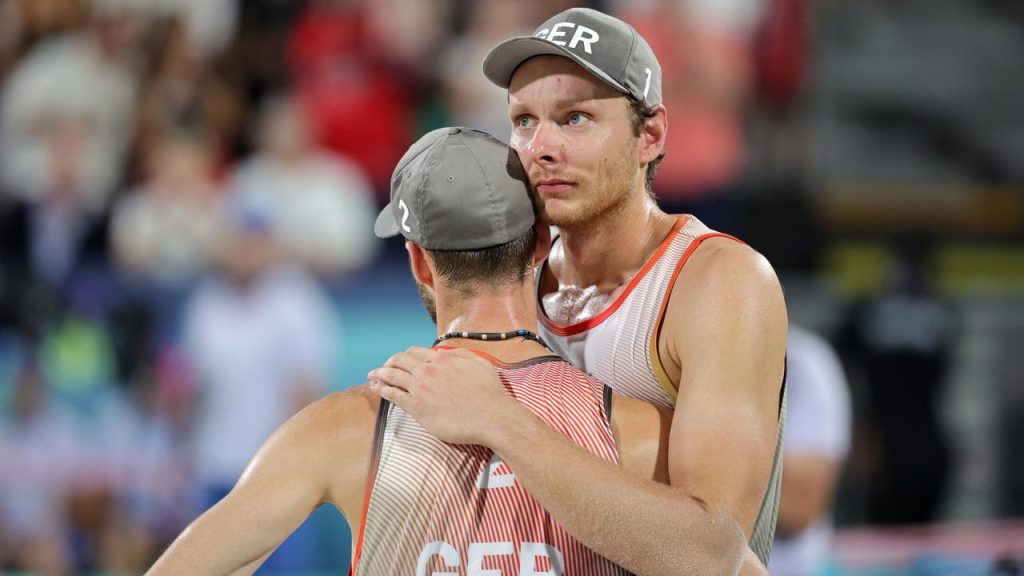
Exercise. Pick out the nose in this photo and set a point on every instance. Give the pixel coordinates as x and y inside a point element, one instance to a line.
<point>545,146</point>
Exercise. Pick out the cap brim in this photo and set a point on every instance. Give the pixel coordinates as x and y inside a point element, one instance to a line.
<point>386,226</point>
<point>501,62</point>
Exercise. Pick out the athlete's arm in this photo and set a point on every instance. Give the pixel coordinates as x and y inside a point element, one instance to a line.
<point>722,437</point>
<point>648,528</point>
<point>725,335</point>
<point>320,455</point>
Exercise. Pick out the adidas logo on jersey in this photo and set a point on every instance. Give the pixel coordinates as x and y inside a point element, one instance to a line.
<point>496,474</point>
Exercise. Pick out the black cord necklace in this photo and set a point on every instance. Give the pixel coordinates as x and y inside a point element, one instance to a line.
<point>494,336</point>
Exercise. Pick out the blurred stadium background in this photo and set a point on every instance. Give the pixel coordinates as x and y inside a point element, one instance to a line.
<point>186,196</point>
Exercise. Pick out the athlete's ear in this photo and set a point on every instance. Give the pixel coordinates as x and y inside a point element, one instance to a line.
<point>543,248</point>
<point>653,135</point>
<point>419,263</point>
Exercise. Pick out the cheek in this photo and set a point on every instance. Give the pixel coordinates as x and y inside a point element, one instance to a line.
<point>519,145</point>
<point>617,167</point>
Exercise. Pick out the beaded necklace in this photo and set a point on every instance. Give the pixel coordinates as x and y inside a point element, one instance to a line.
<point>494,336</point>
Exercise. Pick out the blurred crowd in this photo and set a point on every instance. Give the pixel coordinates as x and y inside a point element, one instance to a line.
<point>185,184</point>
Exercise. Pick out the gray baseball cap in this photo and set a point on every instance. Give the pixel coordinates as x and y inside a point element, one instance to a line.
<point>457,189</point>
<point>604,45</point>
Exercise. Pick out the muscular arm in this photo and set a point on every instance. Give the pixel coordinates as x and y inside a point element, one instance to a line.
<point>320,455</point>
<point>647,527</point>
<point>721,442</point>
<point>726,338</point>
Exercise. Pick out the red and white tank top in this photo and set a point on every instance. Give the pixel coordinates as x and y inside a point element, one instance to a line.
<point>619,346</point>
<point>438,508</point>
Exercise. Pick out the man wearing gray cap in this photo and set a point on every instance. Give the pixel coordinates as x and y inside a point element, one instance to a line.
<point>417,505</point>
<point>657,306</point>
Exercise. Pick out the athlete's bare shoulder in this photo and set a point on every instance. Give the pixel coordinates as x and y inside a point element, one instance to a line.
<point>724,282</point>
<point>721,263</point>
<point>340,429</point>
<point>351,408</point>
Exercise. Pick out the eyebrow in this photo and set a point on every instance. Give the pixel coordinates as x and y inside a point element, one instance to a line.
<point>563,103</point>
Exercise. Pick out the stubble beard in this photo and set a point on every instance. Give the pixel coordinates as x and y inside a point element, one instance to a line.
<point>428,301</point>
<point>596,207</point>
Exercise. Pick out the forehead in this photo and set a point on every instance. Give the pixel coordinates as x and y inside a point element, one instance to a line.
<point>555,76</point>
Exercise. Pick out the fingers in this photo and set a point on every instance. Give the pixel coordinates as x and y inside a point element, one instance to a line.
<point>413,359</point>
<point>416,354</point>
<point>393,377</point>
<point>392,394</point>
<point>417,365</point>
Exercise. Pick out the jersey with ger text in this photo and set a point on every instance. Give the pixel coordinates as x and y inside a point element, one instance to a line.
<point>435,508</point>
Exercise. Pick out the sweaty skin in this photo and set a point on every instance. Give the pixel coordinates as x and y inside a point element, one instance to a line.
<point>722,344</point>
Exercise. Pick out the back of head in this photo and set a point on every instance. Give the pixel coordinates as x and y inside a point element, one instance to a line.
<point>461,195</point>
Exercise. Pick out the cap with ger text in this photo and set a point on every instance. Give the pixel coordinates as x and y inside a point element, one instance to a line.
<point>457,189</point>
<point>605,46</point>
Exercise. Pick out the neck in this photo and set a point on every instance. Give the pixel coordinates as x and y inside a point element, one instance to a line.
<point>608,253</point>
<point>504,310</point>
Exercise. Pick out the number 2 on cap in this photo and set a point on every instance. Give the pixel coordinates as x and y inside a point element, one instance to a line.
<point>405,215</point>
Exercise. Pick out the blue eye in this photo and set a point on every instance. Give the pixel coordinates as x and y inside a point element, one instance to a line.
<point>575,119</point>
<point>524,122</point>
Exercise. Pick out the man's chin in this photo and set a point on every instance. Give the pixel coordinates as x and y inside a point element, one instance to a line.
<point>557,213</point>
<point>562,219</point>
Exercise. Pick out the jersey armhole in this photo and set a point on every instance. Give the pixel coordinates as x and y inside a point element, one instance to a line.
<point>383,409</point>
<point>608,403</point>
<point>785,378</point>
<point>659,367</point>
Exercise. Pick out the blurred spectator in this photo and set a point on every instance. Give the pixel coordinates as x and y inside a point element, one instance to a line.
<point>816,443</point>
<point>76,450</point>
<point>84,79</point>
<point>52,232</point>
<point>181,94</point>
<point>322,205</point>
<point>32,439</point>
<point>164,233</point>
<point>471,99</point>
<point>153,495</point>
<point>360,95</point>
<point>76,367</point>
<point>257,340</point>
<point>166,230</point>
<point>901,340</point>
